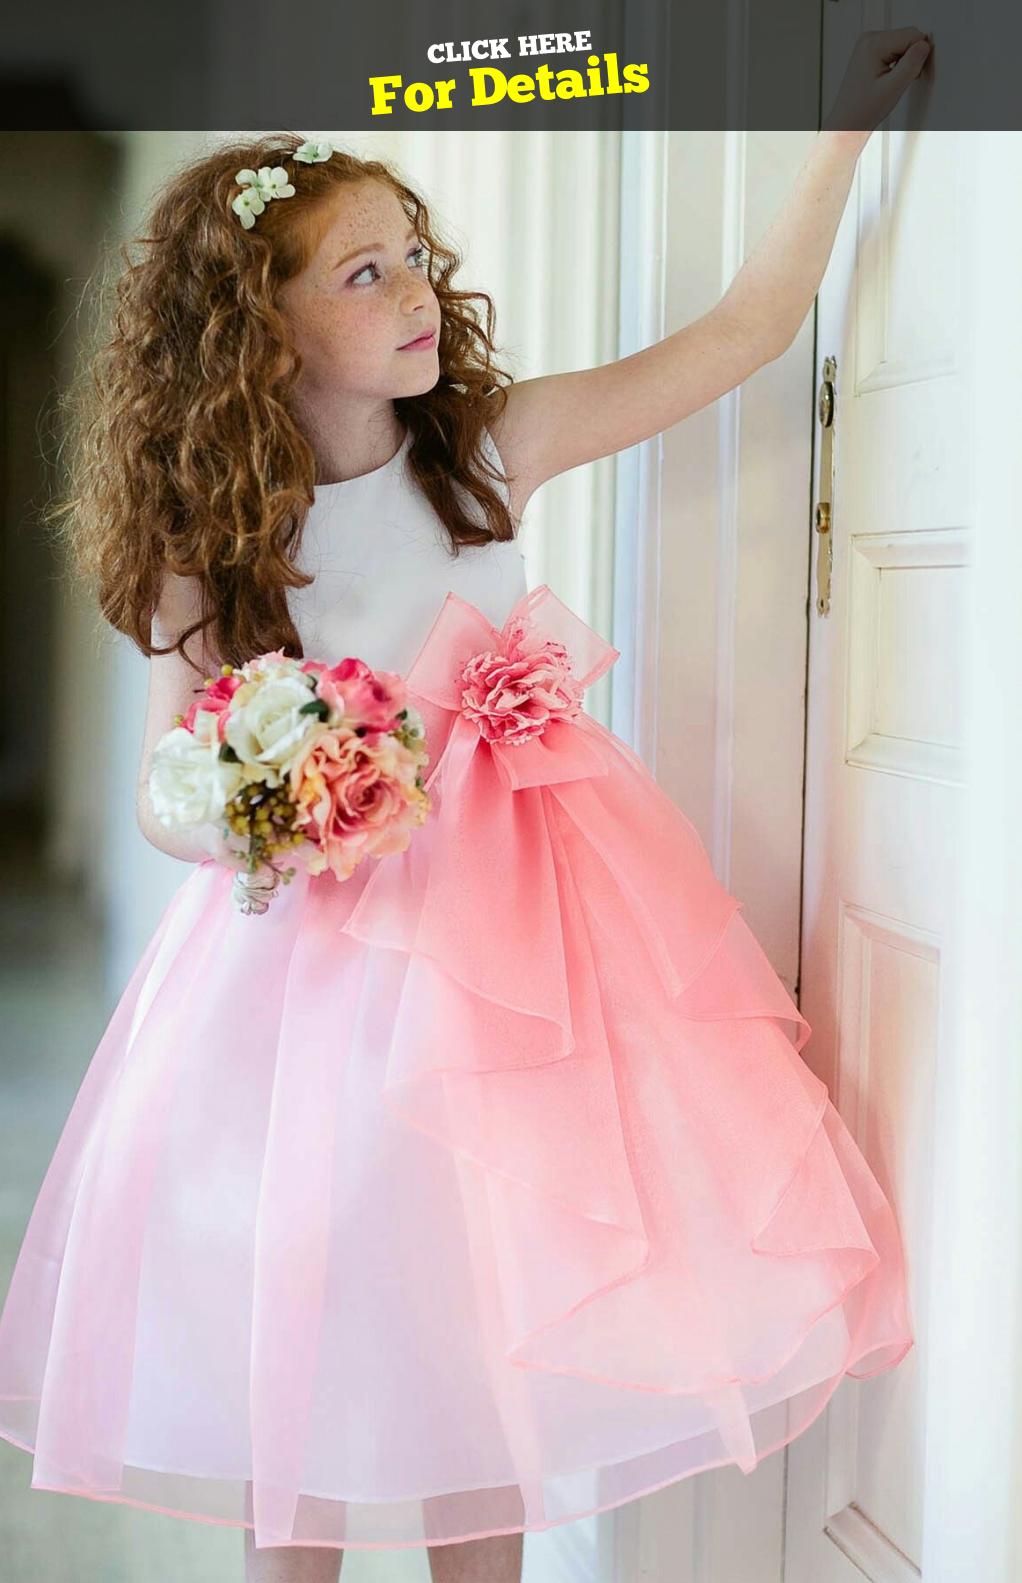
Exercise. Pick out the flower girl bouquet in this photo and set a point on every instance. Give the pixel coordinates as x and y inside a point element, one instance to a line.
<point>294,756</point>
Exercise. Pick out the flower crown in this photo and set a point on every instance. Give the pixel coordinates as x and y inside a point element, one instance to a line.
<point>263,184</point>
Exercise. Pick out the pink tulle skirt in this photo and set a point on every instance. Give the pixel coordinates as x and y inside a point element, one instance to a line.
<point>480,1192</point>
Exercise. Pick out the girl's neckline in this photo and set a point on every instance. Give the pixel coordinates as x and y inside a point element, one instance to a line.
<point>345,486</point>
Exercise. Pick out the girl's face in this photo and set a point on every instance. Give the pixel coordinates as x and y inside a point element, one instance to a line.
<point>363,295</point>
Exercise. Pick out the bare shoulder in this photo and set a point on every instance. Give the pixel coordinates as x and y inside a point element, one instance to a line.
<point>513,436</point>
<point>550,425</point>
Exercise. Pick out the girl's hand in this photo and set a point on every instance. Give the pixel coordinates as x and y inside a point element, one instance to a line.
<point>252,893</point>
<point>217,846</point>
<point>881,67</point>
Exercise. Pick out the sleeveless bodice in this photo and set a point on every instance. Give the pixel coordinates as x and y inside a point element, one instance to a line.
<point>383,565</point>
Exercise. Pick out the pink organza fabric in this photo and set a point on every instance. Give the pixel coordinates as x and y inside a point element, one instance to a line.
<point>477,1193</point>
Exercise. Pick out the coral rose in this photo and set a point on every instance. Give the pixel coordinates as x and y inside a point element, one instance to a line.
<point>358,794</point>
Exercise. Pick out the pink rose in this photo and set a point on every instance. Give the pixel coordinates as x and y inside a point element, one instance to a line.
<point>513,696</point>
<point>351,688</point>
<point>216,699</point>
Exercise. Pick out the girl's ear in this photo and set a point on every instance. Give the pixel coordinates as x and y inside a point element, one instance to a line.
<point>285,361</point>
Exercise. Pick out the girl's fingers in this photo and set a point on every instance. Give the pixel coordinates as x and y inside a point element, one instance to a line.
<point>895,39</point>
<point>880,69</point>
<point>910,64</point>
<point>900,49</point>
<point>212,839</point>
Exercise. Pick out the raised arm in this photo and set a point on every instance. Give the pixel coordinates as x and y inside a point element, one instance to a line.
<point>560,421</point>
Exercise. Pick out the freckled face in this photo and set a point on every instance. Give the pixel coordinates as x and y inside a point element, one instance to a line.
<point>365,292</point>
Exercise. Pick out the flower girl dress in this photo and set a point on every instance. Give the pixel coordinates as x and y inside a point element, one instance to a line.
<point>479,1192</point>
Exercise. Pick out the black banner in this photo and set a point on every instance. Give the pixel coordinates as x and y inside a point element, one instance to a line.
<point>527,64</point>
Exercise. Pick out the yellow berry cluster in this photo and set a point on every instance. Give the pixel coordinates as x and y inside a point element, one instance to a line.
<point>266,816</point>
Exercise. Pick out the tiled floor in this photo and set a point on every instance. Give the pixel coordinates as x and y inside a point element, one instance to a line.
<point>51,1016</point>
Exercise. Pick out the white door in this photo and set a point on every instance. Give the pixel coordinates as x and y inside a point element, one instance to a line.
<point>883,784</point>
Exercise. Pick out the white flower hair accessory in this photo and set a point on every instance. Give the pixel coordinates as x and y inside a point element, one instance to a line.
<point>313,153</point>
<point>266,183</point>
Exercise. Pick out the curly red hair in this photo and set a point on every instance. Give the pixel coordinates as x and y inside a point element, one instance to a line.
<point>183,454</point>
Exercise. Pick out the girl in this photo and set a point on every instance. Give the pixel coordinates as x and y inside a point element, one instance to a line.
<point>488,1188</point>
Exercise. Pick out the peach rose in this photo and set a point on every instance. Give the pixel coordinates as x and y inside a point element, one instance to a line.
<point>358,795</point>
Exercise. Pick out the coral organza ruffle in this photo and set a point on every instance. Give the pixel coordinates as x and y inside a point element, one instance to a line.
<point>476,1193</point>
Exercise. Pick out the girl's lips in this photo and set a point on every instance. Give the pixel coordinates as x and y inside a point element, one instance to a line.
<point>423,344</point>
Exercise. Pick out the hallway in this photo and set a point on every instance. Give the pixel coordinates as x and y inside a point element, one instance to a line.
<point>51,973</point>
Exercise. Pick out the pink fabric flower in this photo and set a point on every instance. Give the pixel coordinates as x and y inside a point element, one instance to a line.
<point>513,696</point>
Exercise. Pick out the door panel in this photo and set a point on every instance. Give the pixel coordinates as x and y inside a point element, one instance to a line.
<point>884,772</point>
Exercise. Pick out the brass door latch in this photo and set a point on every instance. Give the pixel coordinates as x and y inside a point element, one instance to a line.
<point>824,506</point>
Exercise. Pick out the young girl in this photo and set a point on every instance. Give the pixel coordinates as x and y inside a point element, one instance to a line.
<point>488,1188</point>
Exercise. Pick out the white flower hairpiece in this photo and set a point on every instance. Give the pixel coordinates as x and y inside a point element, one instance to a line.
<point>266,183</point>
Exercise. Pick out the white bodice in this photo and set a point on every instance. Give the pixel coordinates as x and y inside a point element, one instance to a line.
<point>383,566</point>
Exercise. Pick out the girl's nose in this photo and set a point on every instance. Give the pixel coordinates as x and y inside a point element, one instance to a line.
<point>418,295</point>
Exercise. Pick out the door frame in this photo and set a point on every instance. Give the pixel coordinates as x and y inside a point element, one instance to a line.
<point>712,556</point>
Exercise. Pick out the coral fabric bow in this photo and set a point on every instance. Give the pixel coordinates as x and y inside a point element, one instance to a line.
<point>518,689</point>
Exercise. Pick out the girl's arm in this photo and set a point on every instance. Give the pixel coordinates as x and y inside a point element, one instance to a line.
<point>559,421</point>
<point>172,687</point>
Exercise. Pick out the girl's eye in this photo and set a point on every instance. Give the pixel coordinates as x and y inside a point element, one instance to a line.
<point>416,252</point>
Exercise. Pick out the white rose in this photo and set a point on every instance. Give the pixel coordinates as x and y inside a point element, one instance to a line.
<point>272,669</point>
<point>189,783</point>
<point>265,727</point>
<point>414,723</point>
